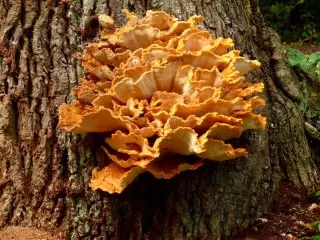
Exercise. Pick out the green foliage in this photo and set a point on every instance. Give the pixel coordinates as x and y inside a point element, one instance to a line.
<point>310,64</point>
<point>315,226</point>
<point>316,237</point>
<point>293,19</point>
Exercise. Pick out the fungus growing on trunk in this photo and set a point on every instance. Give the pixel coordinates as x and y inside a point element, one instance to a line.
<point>163,89</point>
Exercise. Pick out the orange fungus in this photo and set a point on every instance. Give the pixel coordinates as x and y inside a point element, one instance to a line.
<point>163,89</point>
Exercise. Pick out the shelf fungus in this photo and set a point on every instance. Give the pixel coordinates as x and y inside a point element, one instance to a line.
<point>163,90</point>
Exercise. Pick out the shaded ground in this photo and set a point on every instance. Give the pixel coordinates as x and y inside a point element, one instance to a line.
<point>27,233</point>
<point>288,220</point>
<point>305,47</point>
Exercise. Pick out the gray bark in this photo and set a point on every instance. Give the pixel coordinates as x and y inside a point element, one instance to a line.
<point>44,172</point>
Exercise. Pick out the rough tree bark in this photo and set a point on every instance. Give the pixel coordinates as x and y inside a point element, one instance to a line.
<point>44,172</point>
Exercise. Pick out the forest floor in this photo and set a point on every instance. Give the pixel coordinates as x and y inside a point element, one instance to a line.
<point>305,47</point>
<point>28,233</point>
<point>290,219</point>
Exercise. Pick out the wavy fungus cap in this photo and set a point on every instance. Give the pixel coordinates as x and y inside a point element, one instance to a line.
<point>163,89</point>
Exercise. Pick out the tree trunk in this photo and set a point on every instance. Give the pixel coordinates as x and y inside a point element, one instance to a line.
<point>44,172</point>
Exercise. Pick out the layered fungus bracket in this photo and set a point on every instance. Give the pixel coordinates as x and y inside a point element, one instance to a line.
<point>163,89</point>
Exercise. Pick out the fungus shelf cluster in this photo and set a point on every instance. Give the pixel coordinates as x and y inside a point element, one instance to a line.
<point>163,89</point>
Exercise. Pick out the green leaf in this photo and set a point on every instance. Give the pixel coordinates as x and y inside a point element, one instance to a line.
<point>310,64</point>
<point>317,194</point>
<point>294,52</point>
<point>315,224</point>
<point>294,61</point>
<point>315,57</point>
<point>316,237</point>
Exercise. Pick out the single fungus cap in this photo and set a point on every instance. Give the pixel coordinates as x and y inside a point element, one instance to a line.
<point>167,94</point>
